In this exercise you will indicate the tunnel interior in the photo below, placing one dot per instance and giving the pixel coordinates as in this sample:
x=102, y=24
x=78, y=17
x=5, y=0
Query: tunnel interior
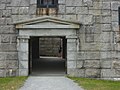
x=47, y=55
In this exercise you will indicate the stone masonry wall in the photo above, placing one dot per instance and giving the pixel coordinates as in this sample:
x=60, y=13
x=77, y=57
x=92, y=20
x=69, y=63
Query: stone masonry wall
x=99, y=49
x=49, y=46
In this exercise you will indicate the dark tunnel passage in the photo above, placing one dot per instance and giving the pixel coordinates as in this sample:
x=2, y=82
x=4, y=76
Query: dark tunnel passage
x=47, y=56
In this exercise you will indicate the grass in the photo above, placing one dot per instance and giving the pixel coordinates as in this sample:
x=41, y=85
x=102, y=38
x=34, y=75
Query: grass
x=11, y=83
x=93, y=84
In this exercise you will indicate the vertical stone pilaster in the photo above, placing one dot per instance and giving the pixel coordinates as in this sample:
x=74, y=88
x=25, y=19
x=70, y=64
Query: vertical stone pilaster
x=23, y=55
x=71, y=55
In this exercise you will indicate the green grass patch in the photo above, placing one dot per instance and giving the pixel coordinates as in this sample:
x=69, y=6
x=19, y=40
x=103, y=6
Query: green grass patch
x=93, y=84
x=11, y=83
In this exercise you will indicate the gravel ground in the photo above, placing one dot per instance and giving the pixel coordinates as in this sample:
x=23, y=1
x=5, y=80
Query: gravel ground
x=49, y=83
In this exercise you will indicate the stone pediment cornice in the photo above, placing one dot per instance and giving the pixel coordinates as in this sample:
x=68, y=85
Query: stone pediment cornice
x=46, y=22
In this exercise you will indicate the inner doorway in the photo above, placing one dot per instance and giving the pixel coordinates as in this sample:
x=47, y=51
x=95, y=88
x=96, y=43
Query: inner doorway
x=47, y=55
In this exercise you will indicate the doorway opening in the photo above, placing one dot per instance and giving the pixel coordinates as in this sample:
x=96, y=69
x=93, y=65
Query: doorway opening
x=47, y=55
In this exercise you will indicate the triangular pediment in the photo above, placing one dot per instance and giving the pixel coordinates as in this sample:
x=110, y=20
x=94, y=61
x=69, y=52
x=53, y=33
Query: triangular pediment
x=47, y=22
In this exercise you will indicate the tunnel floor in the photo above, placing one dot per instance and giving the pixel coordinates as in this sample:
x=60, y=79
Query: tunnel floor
x=48, y=66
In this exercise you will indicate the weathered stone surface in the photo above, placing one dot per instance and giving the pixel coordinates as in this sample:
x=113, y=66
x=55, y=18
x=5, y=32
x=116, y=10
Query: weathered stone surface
x=116, y=64
x=106, y=19
x=61, y=1
x=106, y=12
x=88, y=2
x=6, y=13
x=115, y=16
x=70, y=10
x=2, y=21
x=71, y=64
x=5, y=38
x=61, y=9
x=19, y=3
x=92, y=55
x=20, y=10
x=92, y=64
x=2, y=56
x=32, y=9
x=12, y=56
x=73, y=2
x=115, y=26
x=85, y=19
x=2, y=73
x=106, y=5
x=23, y=64
x=94, y=12
x=2, y=64
x=2, y=6
x=13, y=64
x=23, y=72
x=71, y=55
x=115, y=5
x=33, y=1
x=76, y=72
x=94, y=73
x=79, y=64
x=110, y=73
x=82, y=10
x=106, y=64
x=8, y=47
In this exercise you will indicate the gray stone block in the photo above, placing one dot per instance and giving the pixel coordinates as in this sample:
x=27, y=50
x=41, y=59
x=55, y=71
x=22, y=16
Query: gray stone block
x=61, y=9
x=33, y=1
x=106, y=27
x=110, y=73
x=5, y=38
x=6, y=13
x=82, y=10
x=106, y=5
x=11, y=56
x=92, y=64
x=2, y=73
x=115, y=5
x=116, y=64
x=115, y=26
x=2, y=56
x=79, y=64
x=73, y=2
x=32, y=9
x=88, y=2
x=106, y=12
x=8, y=47
x=12, y=64
x=94, y=12
x=61, y=1
x=92, y=55
x=106, y=19
x=93, y=73
x=19, y=3
x=23, y=72
x=71, y=56
x=23, y=64
x=76, y=72
x=2, y=64
x=2, y=6
x=115, y=16
x=81, y=55
x=86, y=19
x=23, y=55
x=106, y=63
x=2, y=21
x=71, y=64
x=70, y=10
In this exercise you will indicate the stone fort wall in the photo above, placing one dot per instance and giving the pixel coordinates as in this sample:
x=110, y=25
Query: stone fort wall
x=99, y=50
